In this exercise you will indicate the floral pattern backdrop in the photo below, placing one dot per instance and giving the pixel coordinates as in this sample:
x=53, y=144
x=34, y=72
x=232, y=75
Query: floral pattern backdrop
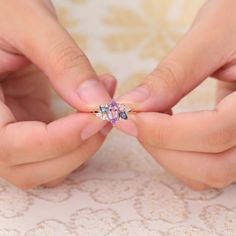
x=123, y=191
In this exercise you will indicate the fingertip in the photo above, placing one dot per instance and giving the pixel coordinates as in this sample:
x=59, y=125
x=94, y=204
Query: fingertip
x=129, y=127
x=135, y=98
x=91, y=93
x=107, y=77
x=106, y=130
x=109, y=82
x=91, y=128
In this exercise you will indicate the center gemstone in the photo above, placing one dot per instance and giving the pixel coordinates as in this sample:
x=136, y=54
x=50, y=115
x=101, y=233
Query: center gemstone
x=113, y=112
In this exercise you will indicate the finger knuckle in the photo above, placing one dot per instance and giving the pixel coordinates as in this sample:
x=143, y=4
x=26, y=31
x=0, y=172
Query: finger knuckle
x=169, y=74
x=150, y=134
x=13, y=148
x=60, y=145
x=160, y=138
x=57, y=144
x=66, y=57
x=218, y=175
x=145, y=138
x=221, y=139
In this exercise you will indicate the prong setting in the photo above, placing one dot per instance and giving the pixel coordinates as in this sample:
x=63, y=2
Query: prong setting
x=113, y=112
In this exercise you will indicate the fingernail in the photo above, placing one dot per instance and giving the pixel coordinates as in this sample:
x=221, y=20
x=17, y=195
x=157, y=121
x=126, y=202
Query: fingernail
x=89, y=130
x=137, y=95
x=128, y=127
x=106, y=130
x=108, y=84
x=92, y=91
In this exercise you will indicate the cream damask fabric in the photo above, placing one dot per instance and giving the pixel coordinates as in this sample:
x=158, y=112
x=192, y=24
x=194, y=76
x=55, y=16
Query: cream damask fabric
x=121, y=191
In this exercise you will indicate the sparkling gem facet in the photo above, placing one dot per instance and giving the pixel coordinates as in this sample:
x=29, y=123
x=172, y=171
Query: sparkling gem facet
x=123, y=115
x=113, y=112
x=104, y=109
x=124, y=108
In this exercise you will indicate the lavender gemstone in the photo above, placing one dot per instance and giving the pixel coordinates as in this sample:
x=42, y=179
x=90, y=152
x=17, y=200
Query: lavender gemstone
x=113, y=112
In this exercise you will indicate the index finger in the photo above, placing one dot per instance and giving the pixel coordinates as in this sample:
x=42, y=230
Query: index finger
x=54, y=51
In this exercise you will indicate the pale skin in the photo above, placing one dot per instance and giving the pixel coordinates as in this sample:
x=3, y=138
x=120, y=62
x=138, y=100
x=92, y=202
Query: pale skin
x=197, y=147
x=35, y=53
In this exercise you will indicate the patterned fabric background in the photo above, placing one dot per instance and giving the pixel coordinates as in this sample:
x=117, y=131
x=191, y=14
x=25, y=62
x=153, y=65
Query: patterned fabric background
x=122, y=191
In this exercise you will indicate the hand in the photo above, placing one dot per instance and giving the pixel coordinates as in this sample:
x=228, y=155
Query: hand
x=35, y=51
x=197, y=147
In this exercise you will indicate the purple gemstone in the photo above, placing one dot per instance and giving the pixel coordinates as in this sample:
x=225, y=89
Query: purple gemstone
x=113, y=112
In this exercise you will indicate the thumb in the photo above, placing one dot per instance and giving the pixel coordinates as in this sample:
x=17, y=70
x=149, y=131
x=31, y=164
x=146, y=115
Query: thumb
x=52, y=49
x=199, y=54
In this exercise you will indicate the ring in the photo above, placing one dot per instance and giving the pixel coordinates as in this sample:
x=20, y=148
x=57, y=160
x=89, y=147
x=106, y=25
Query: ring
x=113, y=112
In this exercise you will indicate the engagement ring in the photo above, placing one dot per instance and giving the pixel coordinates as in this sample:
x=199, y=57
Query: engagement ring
x=113, y=112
